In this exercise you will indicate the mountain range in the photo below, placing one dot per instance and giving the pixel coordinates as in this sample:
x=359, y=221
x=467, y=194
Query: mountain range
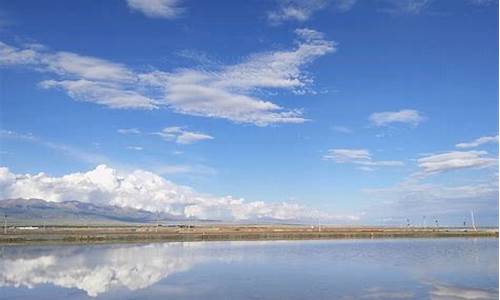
x=38, y=211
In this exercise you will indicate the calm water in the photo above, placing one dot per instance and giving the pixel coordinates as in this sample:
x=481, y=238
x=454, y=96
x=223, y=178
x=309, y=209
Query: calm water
x=342, y=269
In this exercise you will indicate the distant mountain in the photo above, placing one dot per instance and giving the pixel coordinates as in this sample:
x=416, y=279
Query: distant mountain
x=37, y=211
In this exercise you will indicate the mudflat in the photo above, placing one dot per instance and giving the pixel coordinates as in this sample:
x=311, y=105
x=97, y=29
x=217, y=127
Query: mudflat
x=86, y=234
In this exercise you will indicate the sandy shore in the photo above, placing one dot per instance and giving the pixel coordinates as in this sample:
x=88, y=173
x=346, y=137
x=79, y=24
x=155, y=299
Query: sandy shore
x=86, y=234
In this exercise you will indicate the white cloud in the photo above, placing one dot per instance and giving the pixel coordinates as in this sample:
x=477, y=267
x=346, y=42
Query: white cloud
x=446, y=292
x=14, y=56
x=168, y=9
x=145, y=190
x=455, y=160
x=407, y=116
x=479, y=141
x=412, y=7
x=65, y=63
x=361, y=157
x=342, y=129
x=482, y=2
x=102, y=93
x=129, y=131
x=135, y=148
x=91, y=68
x=344, y=5
x=226, y=92
x=182, y=136
x=295, y=10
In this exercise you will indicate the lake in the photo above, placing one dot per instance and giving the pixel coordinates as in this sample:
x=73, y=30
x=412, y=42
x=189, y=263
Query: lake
x=448, y=268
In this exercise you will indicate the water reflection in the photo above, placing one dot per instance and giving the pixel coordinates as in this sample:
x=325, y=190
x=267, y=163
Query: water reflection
x=457, y=269
x=446, y=292
x=96, y=269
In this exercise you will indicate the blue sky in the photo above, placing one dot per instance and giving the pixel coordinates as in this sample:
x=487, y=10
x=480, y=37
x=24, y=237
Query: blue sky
x=348, y=108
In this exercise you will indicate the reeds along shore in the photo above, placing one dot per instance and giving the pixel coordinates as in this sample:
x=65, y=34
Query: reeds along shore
x=222, y=233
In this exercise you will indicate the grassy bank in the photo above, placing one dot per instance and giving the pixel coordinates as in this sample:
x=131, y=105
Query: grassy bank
x=87, y=234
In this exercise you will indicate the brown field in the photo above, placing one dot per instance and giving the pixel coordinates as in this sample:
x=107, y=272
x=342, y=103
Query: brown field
x=85, y=234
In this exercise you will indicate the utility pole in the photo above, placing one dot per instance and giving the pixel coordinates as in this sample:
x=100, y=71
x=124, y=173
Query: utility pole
x=157, y=223
x=424, y=222
x=5, y=224
x=319, y=226
x=473, y=221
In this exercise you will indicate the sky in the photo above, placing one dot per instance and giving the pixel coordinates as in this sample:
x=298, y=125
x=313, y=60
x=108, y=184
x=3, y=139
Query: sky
x=378, y=112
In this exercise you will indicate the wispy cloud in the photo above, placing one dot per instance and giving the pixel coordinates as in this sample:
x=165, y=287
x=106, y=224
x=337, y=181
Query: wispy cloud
x=135, y=148
x=295, y=10
x=344, y=5
x=482, y=2
x=181, y=136
x=227, y=91
x=360, y=157
x=444, y=292
x=342, y=129
x=455, y=160
x=412, y=7
x=129, y=131
x=414, y=199
x=406, y=116
x=478, y=142
x=102, y=93
x=71, y=151
x=303, y=10
x=196, y=169
x=167, y=9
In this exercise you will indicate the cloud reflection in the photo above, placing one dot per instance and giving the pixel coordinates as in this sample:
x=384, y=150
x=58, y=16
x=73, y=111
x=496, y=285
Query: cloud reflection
x=448, y=292
x=97, y=269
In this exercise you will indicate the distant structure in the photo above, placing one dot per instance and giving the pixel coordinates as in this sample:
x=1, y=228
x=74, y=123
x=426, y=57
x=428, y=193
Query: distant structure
x=5, y=224
x=473, y=221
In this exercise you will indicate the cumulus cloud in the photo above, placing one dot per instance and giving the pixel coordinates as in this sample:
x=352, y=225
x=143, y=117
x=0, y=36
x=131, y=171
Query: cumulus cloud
x=361, y=157
x=227, y=91
x=478, y=142
x=145, y=190
x=455, y=160
x=167, y=9
x=181, y=136
x=407, y=116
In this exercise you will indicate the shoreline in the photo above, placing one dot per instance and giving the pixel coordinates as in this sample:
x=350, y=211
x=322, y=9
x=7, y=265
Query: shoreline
x=148, y=233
